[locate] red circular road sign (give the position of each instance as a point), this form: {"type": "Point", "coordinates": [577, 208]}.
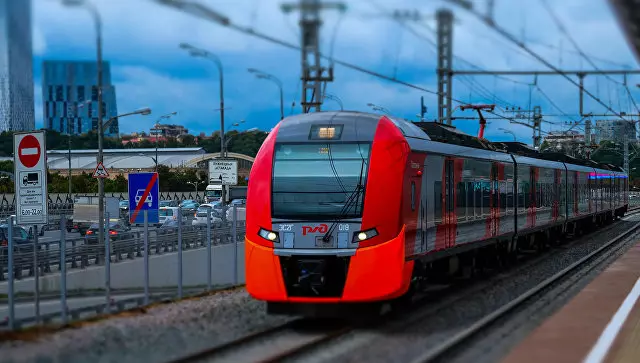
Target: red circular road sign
{"type": "Point", "coordinates": [29, 151]}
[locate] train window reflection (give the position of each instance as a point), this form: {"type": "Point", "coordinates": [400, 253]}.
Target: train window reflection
{"type": "Point", "coordinates": [316, 180]}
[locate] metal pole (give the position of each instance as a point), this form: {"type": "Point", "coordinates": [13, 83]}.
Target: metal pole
{"type": "Point", "coordinates": [101, 234]}
{"type": "Point", "coordinates": [12, 312]}
{"type": "Point", "coordinates": [234, 235]}
{"type": "Point", "coordinates": [223, 148]}
{"type": "Point", "coordinates": [281, 102]}
{"type": "Point", "coordinates": [63, 269]}
{"type": "Point", "coordinates": [107, 263]}
{"type": "Point", "coordinates": [156, 132]}
{"type": "Point", "coordinates": [36, 274]}
{"type": "Point", "coordinates": [209, 257]}
{"type": "Point", "coordinates": [69, 173]}
{"type": "Point", "coordinates": [146, 257]}
{"type": "Point", "coordinates": [179, 252]}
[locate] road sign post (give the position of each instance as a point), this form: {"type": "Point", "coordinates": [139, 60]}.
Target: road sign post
{"type": "Point", "coordinates": [30, 170]}
{"type": "Point", "coordinates": [223, 172]}
{"type": "Point", "coordinates": [143, 195]}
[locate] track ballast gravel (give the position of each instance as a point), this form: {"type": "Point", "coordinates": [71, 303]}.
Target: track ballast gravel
{"type": "Point", "coordinates": [165, 332]}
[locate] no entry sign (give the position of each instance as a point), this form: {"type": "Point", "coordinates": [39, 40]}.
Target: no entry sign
{"type": "Point", "coordinates": [30, 177]}
{"type": "Point", "coordinates": [29, 151]}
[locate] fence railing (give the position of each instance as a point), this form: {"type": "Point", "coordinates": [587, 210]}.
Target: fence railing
{"type": "Point", "coordinates": [179, 252]}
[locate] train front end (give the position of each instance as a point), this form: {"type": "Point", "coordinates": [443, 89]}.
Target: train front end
{"type": "Point", "coordinates": [323, 213]}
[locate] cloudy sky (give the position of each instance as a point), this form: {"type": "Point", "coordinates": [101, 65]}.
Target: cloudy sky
{"type": "Point", "coordinates": [141, 41]}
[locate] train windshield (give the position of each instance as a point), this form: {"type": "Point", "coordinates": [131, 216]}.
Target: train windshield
{"type": "Point", "coordinates": [315, 181]}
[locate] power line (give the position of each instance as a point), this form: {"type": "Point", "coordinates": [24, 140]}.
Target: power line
{"type": "Point", "coordinates": [206, 13]}
{"type": "Point", "coordinates": [467, 5]}
{"type": "Point", "coordinates": [577, 47]}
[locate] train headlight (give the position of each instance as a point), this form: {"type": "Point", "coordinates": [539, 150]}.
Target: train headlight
{"type": "Point", "coordinates": [269, 235]}
{"type": "Point", "coordinates": [364, 235]}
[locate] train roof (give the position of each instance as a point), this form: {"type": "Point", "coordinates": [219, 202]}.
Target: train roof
{"type": "Point", "coordinates": [451, 135]}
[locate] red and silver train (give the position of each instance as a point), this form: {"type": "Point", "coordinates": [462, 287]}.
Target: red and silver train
{"type": "Point", "coordinates": [349, 207]}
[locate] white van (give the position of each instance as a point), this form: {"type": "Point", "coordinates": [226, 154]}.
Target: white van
{"type": "Point", "coordinates": [165, 213]}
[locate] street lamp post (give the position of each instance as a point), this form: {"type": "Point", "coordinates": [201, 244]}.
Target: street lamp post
{"type": "Point", "coordinates": [336, 99]}
{"type": "Point", "coordinates": [196, 52]}
{"type": "Point", "coordinates": [167, 116]}
{"type": "Point", "coordinates": [264, 75]}
{"type": "Point", "coordinates": [98, 27]}
{"type": "Point", "coordinates": [508, 132]}
{"type": "Point", "coordinates": [379, 108]}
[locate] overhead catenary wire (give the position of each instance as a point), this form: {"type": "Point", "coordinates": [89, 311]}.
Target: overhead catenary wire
{"type": "Point", "coordinates": [206, 13]}
{"type": "Point", "coordinates": [465, 4]}
{"type": "Point", "coordinates": [566, 33]}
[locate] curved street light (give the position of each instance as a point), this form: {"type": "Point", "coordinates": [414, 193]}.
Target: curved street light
{"type": "Point", "coordinates": [379, 108]}
{"type": "Point", "coordinates": [334, 98]}
{"type": "Point", "coordinates": [197, 52]}
{"type": "Point", "coordinates": [508, 132]}
{"type": "Point", "coordinates": [264, 75]}
{"type": "Point", "coordinates": [163, 117]}
{"type": "Point", "coordinates": [98, 28]}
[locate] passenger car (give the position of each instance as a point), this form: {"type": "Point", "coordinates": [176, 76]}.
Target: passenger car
{"type": "Point", "coordinates": [350, 207]}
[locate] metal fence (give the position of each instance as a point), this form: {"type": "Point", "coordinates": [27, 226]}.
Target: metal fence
{"type": "Point", "coordinates": [124, 255]}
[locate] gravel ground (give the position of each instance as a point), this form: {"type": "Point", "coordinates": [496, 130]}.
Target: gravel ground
{"type": "Point", "coordinates": [440, 321]}
{"type": "Point", "coordinates": [163, 333]}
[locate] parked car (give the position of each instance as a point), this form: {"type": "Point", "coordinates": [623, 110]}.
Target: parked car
{"type": "Point", "coordinates": [168, 203]}
{"type": "Point", "coordinates": [23, 243]}
{"type": "Point", "coordinates": [200, 217]}
{"type": "Point", "coordinates": [117, 231]}
{"type": "Point", "coordinates": [165, 213]}
{"type": "Point", "coordinates": [189, 206]}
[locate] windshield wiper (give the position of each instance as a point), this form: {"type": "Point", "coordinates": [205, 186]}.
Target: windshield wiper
{"type": "Point", "coordinates": [353, 198]}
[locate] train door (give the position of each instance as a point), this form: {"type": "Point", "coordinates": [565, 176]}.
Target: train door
{"type": "Point", "coordinates": [450, 219]}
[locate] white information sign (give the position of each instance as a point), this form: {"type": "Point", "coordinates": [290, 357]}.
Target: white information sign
{"type": "Point", "coordinates": [223, 172]}
{"type": "Point", "coordinates": [30, 177]}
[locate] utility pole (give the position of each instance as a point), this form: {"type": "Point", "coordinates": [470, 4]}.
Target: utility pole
{"type": "Point", "coordinates": [537, 127]}
{"type": "Point", "coordinates": [625, 145]}
{"type": "Point", "coordinates": [445, 58]}
{"type": "Point", "coordinates": [313, 73]}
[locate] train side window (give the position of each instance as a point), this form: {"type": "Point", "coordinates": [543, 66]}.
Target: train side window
{"type": "Point", "coordinates": [413, 195]}
{"type": "Point", "coordinates": [437, 201]}
{"type": "Point", "coordinates": [461, 195]}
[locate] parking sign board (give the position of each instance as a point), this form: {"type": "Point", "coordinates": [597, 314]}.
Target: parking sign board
{"type": "Point", "coordinates": [30, 177]}
{"type": "Point", "coordinates": [143, 195]}
{"type": "Point", "coordinates": [223, 172]}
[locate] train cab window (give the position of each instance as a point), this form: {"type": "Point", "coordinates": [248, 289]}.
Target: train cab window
{"type": "Point", "coordinates": [413, 195]}
{"type": "Point", "coordinates": [317, 180]}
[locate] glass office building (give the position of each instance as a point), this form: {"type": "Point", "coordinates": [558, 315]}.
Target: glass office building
{"type": "Point", "coordinates": [70, 97]}
{"type": "Point", "coordinates": [16, 62]}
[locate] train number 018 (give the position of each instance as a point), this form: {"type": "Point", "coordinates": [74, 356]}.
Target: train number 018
{"type": "Point", "coordinates": [343, 227]}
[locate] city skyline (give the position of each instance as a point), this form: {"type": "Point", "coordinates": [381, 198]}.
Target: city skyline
{"type": "Point", "coordinates": [69, 91]}
{"type": "Point", "coordinates": [149, 69]}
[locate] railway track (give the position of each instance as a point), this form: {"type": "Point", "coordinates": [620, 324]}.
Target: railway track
{"type": "Point", "coordinates": [450, 345]}
{"type": "Point", "coordinates": [274, 344]}
{"type": "Point", "coordinates": [301, 336]}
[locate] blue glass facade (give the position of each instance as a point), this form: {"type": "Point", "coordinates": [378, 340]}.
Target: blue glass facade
{"type": "Point", "coordinates": [16, 66]}
{"type": "Point", "coordinates": [70, 97]}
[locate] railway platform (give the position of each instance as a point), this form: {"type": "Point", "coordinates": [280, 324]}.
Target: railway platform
{"type": "Point", "coordinates": [600, 324]}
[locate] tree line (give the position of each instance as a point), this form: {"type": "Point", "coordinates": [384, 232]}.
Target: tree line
{"type": "Point", "coordinates": [246, 142]}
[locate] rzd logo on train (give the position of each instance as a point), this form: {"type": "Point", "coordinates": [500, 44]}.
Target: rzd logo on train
{"type": "Point", "coordinates": [317, 229]}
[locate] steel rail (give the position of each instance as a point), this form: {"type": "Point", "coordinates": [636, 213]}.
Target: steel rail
{"type": "Point", "coordinates": [257, 338]}
{"type": "Point", "coordinates": [485, 322]}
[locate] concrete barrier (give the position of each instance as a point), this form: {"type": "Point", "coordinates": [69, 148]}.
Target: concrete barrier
{"type": "Point", "coordinates": [163, 272]}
